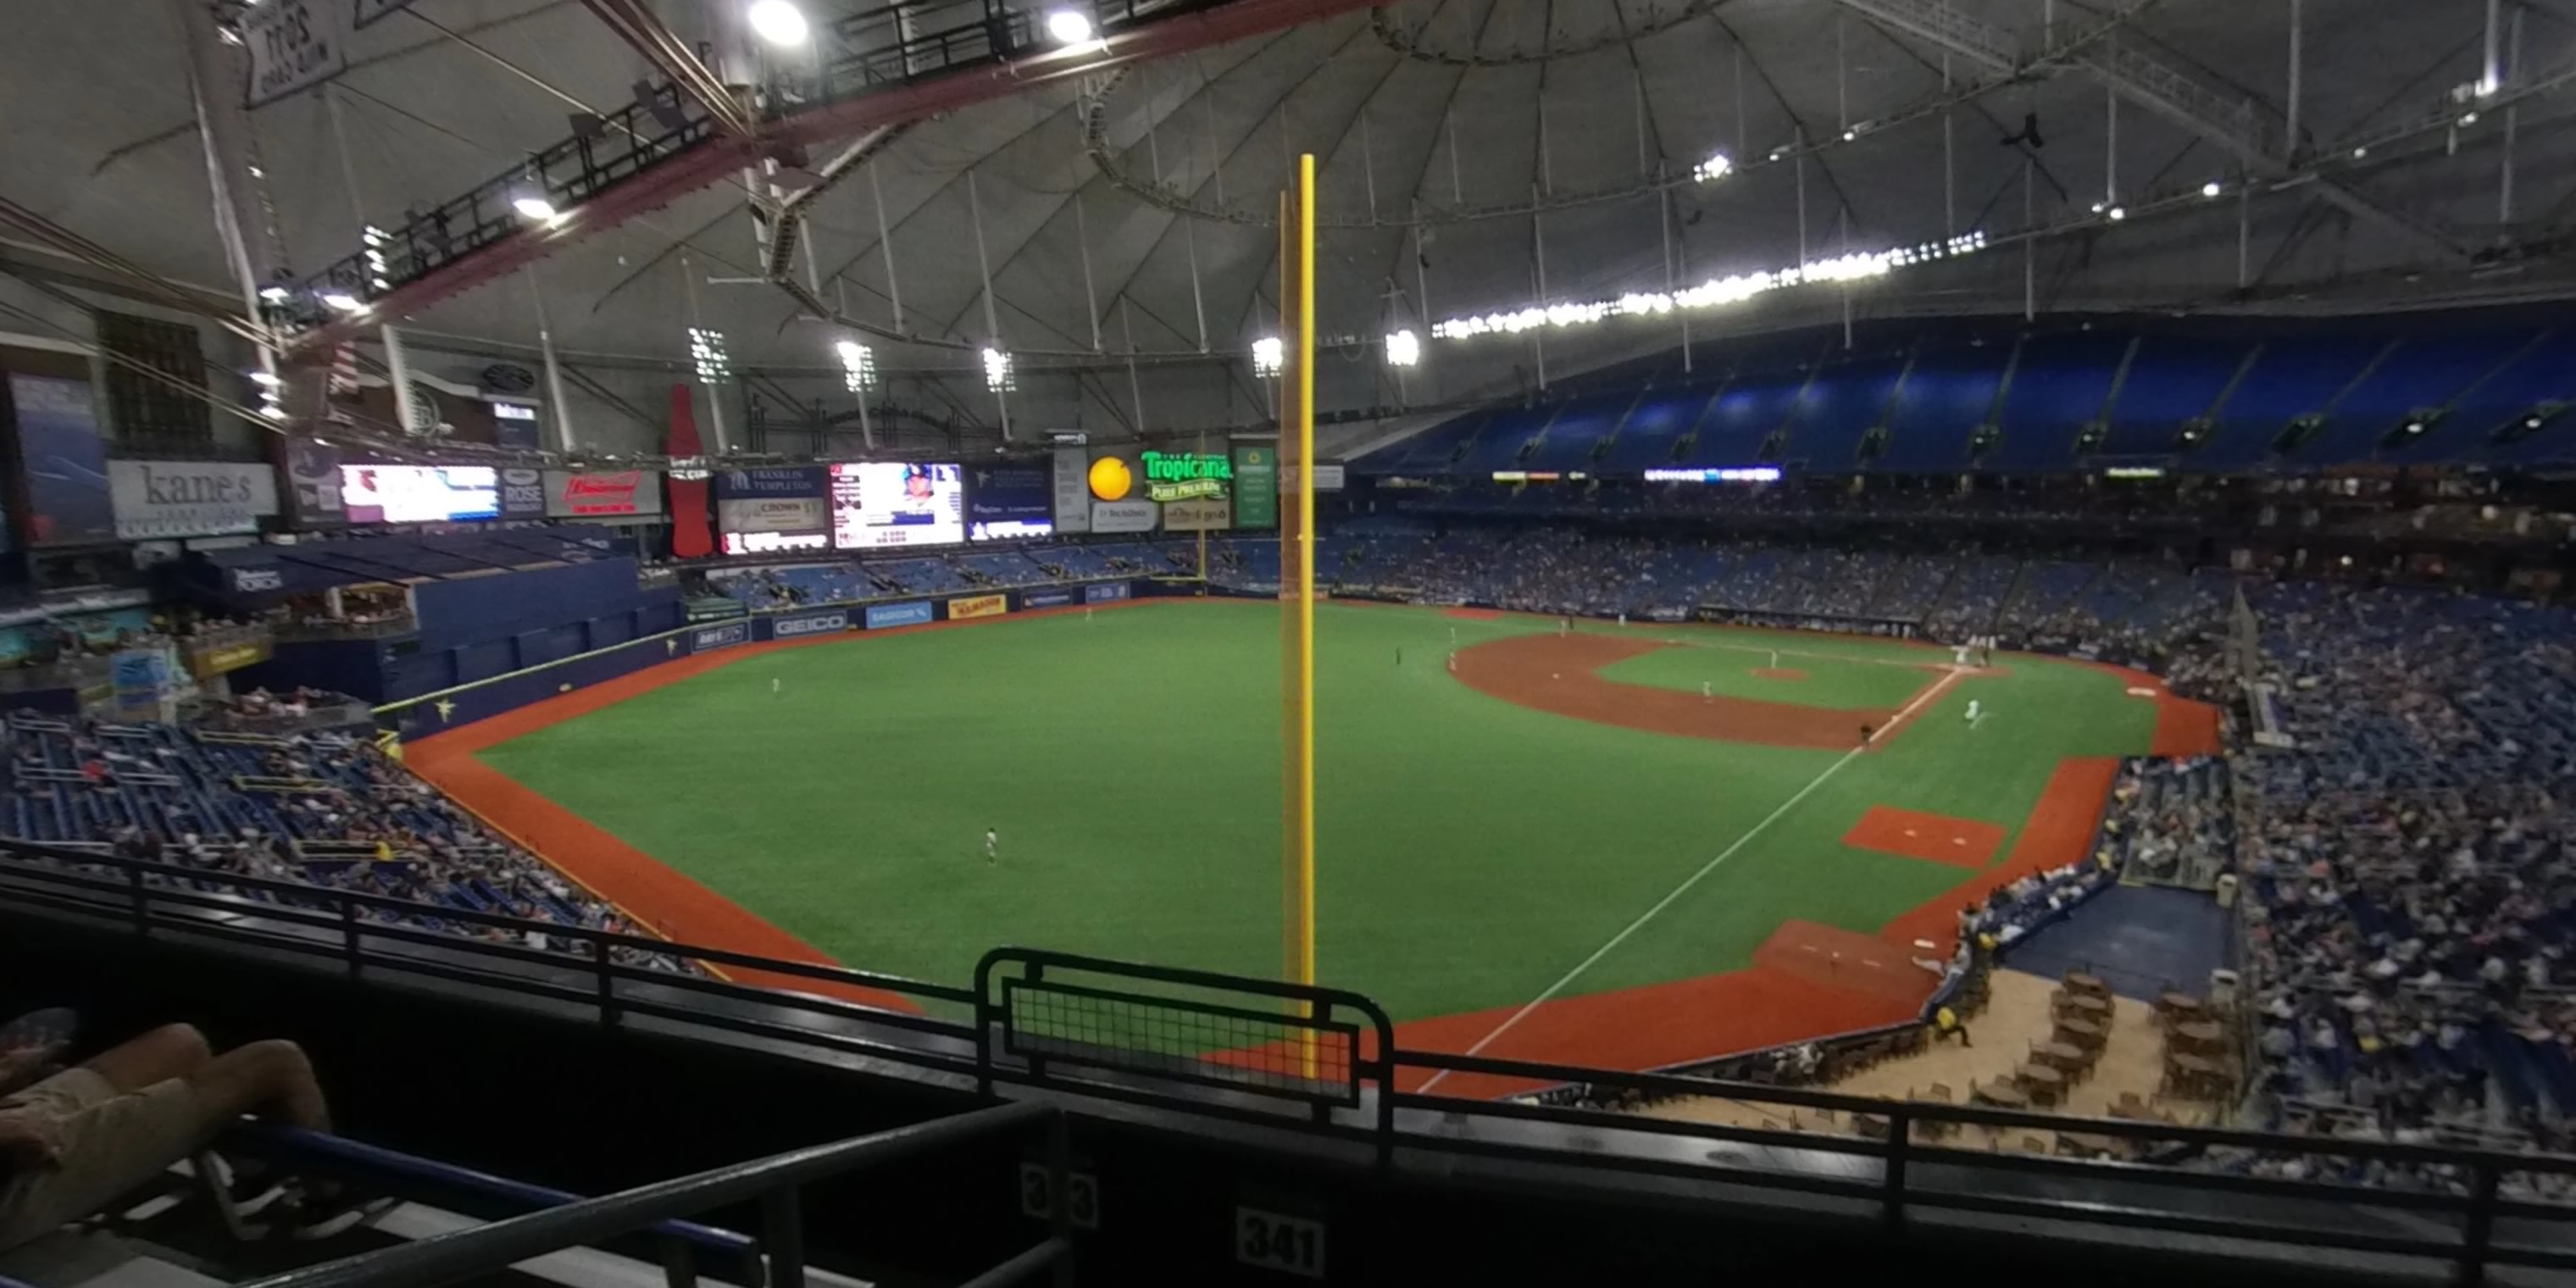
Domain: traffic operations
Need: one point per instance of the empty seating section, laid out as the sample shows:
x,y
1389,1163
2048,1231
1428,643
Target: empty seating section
x,y
2291,378
2172,380
1570,436
1661,418
2060,383
1947,395
1844,402
1740,418
2487,373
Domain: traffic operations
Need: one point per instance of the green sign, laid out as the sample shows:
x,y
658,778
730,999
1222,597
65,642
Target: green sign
x,y
1256,500
1185,467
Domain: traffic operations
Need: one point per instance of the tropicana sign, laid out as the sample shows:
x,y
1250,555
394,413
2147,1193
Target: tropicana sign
x,y
1183,476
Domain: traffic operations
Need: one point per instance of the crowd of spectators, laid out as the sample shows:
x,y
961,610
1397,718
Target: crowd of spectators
x,y
323,809
2172,821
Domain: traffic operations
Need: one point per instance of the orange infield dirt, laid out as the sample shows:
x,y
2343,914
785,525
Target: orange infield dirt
x,y
647,890
1936,837
1555,673
1845,959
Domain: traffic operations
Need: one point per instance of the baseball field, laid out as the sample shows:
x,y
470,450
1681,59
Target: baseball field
x,y
1627,844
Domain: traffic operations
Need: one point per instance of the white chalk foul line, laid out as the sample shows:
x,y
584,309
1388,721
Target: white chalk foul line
x,y
1695,878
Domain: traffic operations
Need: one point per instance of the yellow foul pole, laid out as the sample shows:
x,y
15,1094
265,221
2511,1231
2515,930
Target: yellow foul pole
x,y
1297,582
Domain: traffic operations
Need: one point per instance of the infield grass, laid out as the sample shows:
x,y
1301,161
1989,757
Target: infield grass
x,y
1471,851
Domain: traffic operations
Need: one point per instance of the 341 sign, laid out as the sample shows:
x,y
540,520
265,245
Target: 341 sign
x,y
294,45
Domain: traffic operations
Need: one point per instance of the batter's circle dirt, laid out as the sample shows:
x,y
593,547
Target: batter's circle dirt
x,y
1778,673
1556,674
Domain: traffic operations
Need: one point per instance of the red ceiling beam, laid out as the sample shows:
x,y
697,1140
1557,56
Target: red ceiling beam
x,y
722,156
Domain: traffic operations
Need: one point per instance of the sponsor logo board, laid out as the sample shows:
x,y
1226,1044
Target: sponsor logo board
x,y
157,499
1046,599
1198,516
710,638
601,493
978,606
1101,592
1124,516
809,624
1072,494
250,581
914,612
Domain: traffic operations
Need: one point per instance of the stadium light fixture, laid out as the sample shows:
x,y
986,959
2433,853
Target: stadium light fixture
x,y
858,366
1269,356
533,206
274,294
1069,26
343,301
1856,266
268,378
2117,213
998,376
275,412
2210,189
1715,167
777,21
2359,153
707,352
1403,349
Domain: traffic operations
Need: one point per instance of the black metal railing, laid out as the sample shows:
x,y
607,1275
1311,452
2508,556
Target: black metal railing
x,y
1208,1045
773,1183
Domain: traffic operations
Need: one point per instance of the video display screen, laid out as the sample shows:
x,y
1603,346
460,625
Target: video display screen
x,y
419,493
883,505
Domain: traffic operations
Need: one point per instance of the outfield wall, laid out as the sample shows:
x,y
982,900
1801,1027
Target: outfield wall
x,y
423,712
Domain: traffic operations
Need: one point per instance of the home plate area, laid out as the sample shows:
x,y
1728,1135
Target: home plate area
x,y
1937,838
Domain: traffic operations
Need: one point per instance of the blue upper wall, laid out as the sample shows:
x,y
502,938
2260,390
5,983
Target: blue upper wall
x,y
2227,395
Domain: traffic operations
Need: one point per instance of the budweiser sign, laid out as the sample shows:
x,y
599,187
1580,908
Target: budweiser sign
x,y
602,494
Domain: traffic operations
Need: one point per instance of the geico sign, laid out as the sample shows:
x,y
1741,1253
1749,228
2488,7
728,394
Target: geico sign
x,y
821,624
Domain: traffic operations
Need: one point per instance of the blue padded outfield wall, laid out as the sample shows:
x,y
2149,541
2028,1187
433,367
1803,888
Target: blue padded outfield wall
x,y
416,711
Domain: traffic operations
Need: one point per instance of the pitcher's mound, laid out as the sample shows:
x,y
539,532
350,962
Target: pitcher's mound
x,y
1778,673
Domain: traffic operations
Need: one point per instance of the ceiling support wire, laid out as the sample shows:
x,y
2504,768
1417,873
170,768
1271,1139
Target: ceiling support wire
x,y
1207,118
992,317
2110,147
1090,292
1842,125
2029,245
885,245
408,410
1422,294
1949,161
1736,49
2295,100
2512,116
1135,388
1664,222
2244,235
1368,163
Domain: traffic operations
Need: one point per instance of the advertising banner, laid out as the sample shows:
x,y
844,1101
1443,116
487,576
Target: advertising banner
x,y
1256,485
155,500
253,581
765,525
514,426
709,638
1198,516
313,484
1008,502
523,493
780,480
1185,476
1329,476
1101,592
1046,599
65,462
602,494
978,606
912,612
793,625
207,663
1072,494
1124,516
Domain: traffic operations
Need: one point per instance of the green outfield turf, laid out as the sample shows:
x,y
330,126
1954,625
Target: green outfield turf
x,y
1472,851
